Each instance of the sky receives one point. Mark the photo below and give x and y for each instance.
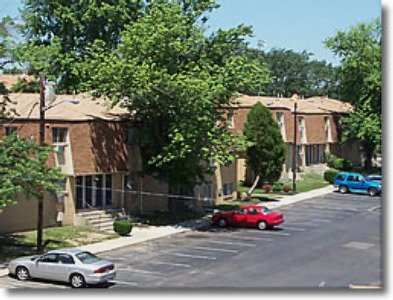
(291, 24)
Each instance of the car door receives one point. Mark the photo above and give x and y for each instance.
(357, 184)
(252, 217)
(239, 216)
(47, 267)
(66, 265)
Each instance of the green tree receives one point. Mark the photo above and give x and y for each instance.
(360, 83)
(175, 79)
(294, 72)
(266, 150)
(58, 34)
(23, 170)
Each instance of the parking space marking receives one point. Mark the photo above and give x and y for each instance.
(154, 262)
(123, 282)
(305, 224)
(276, 233)
(232, 243)
(132, 270)
(216, 249)
(293, 228)
(192, 256)
(374, 208)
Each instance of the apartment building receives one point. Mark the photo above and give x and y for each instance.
(94, 146)
(317, 123)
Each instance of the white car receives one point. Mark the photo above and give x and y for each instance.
(78, 267)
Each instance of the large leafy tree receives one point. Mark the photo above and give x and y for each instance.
(296, 72)
(57, 34)
(23, 170)
(266, 149)
(175, 79)
(360, 83)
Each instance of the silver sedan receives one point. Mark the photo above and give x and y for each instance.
(78, 267)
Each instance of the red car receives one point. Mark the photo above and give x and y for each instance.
(248, 215)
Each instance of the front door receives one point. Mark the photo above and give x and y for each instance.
(252, 217)
(239, 217)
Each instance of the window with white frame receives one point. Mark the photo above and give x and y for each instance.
(60, 141)
(230, 119)
(302, 129)
(281, 125)
(328, 132)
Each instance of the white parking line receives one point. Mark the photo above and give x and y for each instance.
(232, 243)
(139, 271)
(168, 264)
(294, 228)
(216, 249)
(276, 233)
(123, 282)
(192, 256)
(374, 208)
(305, 224)
(248, 238)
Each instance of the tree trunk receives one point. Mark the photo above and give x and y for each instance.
(251, 190)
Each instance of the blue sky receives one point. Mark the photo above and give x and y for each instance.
(292, 24)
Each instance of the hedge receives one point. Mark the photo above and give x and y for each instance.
(329, 175)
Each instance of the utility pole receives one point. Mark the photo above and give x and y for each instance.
(41, 142)
(294, 150)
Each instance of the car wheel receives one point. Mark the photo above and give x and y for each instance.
(372, 192)
(222, 223)
(343, 189)
(22, 273)
(262, 225)
(77, 281)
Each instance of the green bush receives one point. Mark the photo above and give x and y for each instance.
(277, 187)
(329, 175)
(339, 163)
(122, 227)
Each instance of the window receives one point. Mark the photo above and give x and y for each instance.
(252, 211)
(59, 135)
(280, 122)
(227, 189)
(66, 259)
(87, 257)
(302, 129)
(108, 189)
(49, 258)
(11, 130)
(327, 129)
(230, 120)
(93, 190)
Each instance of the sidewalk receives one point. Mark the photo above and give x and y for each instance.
(142, 234)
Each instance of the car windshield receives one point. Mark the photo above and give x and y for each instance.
(87, 257)
(264, 209)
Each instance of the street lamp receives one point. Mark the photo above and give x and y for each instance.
(41, 142)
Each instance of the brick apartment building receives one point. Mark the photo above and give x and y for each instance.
(94, 147)
(318, 129)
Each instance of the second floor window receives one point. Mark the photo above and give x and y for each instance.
(230, 120)
(11, 130)
(59, 135)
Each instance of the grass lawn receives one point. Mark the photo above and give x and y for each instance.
(310, 181)
(24, 243)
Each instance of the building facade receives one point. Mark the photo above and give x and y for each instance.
(94, 146)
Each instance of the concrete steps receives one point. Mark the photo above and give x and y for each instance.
(99, 219)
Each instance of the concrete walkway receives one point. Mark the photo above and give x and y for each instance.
(142, 234)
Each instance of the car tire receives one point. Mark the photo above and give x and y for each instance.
(343, 189)
(77, 281)
(22, 273)
(262, 225)
(372, 192)
(222, 223)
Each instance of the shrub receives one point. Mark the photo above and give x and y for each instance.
(286, 188)
(122, 227)
(339, 163)
(277, 187)
(329, 175)
(267, 188)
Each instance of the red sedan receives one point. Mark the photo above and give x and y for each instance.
(249, 215)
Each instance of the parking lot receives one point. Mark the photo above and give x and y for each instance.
(320, 236)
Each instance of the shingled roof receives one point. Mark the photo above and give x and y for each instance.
(318, 104)
(27, 107)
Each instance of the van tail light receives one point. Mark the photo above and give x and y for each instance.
(104, 269)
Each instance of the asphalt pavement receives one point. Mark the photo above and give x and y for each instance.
(330, 241)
